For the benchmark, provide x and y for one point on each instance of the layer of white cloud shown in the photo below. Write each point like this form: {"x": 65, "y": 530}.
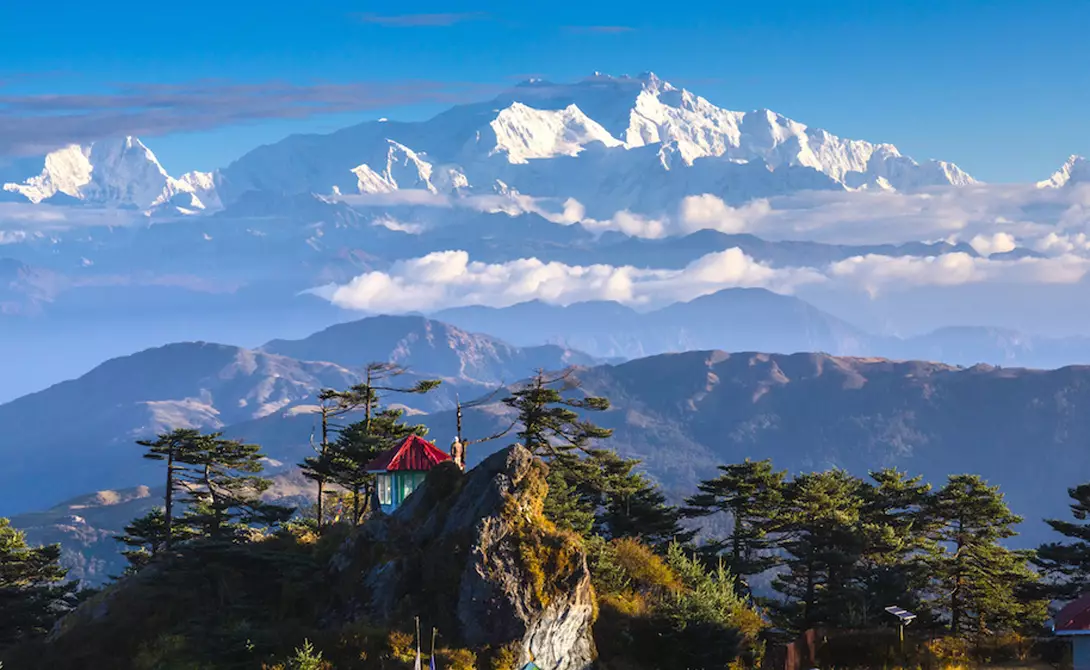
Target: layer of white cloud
{"x": 876, "y": 274}
{"x": 996, "y": 243}
{"x": 991, "y": 218}
{"x": 451, "y": 279}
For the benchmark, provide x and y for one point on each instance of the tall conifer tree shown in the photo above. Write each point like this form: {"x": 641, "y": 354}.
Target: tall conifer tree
{"x": 1067, "y": 564}
{"x": 750, "y": 494}
{"x": 33, "y": 594}
{"x": 983, "y": 586}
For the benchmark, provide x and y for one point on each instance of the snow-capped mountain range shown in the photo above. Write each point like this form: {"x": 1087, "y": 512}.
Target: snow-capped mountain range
{"x": 612, "y": 143}
{"x": 120, "y": 172}
{"x": 1075, "y": 171}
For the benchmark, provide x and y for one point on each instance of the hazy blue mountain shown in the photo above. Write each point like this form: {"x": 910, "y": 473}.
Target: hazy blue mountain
{"x": 754, "y": 320}
{"x": 426, "y": 345}
{"x": 210, "y": 386}
{"x": 733, "y": 319}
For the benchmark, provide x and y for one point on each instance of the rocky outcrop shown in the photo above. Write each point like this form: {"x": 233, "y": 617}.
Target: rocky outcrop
{"x": 473, "y": 556}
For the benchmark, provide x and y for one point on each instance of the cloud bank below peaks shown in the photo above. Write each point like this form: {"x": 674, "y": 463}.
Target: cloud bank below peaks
{"x": 451, "y": 279}
{"x": 991, "y": 218}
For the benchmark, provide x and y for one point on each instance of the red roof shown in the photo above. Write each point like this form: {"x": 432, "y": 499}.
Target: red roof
{"x": 413, "y": 454}
{"x": 1075, "y": 616}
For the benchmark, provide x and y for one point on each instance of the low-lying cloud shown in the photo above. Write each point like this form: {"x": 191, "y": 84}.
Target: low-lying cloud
{"x": 876, "y": 274}
{"x": 451, "y": 279}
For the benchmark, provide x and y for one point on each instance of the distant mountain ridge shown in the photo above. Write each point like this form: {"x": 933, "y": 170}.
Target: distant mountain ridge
{"x": 754, "y": 319}
{"x": 426, "y": 345}
{"x": 1076, "y": 170}
{"x": 611, "y": 142}
{"x": 686, "y": 413}
{"x": 116, "y": 172}
{"x": 213, "y": 386}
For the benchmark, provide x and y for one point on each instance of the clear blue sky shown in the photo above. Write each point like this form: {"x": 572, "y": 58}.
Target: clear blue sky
{"x": 1001, "y": 88}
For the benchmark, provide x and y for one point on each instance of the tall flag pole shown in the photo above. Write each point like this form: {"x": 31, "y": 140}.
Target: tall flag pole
{"x": 417, "y": 666}
{"x": 433, "y": 632}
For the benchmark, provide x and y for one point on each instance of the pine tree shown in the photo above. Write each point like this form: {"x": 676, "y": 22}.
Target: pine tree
{"x": 146, "y": 536}
{"x": 550, "y": 423}
{"x": 550, "y": 427}
{"x": 223, "y": 489}
{"x": 750, "y": 493}
{"x": 820, "y": 523}
{"x": 33, "y": 594}
{"x": 896, "y": 526}
{"x": 1067, "y": 564}
{"x": 982, "y": 585}
{"x": 169, "y": 447}
{"x": 629, "y": 504}
{"x": 359, "y": 444}
{"x": 333, "y": 404}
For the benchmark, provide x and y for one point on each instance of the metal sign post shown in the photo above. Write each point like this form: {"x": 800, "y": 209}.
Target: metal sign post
{"x": 904, "y": 617}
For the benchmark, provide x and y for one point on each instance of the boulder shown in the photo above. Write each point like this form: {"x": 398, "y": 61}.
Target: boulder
{"x": 473, "y": 555}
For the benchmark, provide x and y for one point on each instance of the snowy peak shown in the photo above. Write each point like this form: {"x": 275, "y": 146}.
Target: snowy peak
{"x": 523, "y": 133}
{"x": 402, "y": 168}
{"x": 700, "y": 129}
{"x": 120, "y": 172}
{"x": 604, "y": 141}
{"x": 66, "y": 171}
{"x": 1075, "y": 171}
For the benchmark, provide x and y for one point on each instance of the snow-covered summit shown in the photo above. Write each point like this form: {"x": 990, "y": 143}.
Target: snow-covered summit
{"x": 523, "y": 133}
{"x": 1075, "y": 171}
{"x": 120, "y": 172}
{"x": 533, "y": 136}
{"x": 611, "y": 142}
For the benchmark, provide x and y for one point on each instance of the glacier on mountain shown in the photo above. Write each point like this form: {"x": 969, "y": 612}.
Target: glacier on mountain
{"x": 119, "y": 172}
{"x": 1075, "y": 171}
{"x": 615, "y": 144}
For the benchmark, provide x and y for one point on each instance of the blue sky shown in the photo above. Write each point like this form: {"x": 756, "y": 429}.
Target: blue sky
{"x": 1001, "y": 88}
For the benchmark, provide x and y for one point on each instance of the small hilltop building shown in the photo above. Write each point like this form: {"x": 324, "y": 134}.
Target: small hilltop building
{"x": 400, "y": 470}
{"x": 1074, "y": 620}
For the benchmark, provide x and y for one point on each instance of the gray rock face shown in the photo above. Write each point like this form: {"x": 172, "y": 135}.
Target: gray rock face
{"x": 472, "y": 555}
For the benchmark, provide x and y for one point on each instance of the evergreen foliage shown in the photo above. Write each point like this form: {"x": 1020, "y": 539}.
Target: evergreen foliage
{"x": 33, "y": 593}
{"x": 342, "y": 461}
{"x": 1067, "y": 564}
{"x": 359, "y": 444}
{"x": 819, "y": 527}
{"x": 226, "y": 582}
{"x": 549, "y": 420}
{"x": 983, "y": 587}
{"x": 750, "y": 494}
{"x": 222, "y": 488}
{"x": 167, "y": 447}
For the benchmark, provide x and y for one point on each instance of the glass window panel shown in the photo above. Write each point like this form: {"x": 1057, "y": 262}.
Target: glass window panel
{"x": 385, "y": 490}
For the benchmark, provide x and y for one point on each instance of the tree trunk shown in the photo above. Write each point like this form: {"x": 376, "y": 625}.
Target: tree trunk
{"x": 217, "y": 521}
{"x": 168, "y": 502}
{"x": 736, "y": 540}
{"x": 321, "y": 454}
{"x": 808, "y": 605}
{"x": 955, "y": 605}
